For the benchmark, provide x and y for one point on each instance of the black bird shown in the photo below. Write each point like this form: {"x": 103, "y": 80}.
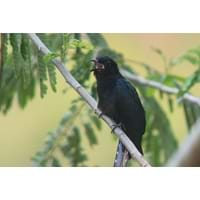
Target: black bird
{"x": 119, "y": 100}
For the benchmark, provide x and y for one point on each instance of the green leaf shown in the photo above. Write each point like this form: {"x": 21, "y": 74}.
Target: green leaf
{"x": 96, "y": 121}
{"x": 52, "y": 76}
{"x": 159, "y": 126}
{"x": 161, "y": 54}
{"x": 65, "y": 45}
{"x": 73, "y": 108}
{"x": 21, "y": 98}
{"x": 190, "y": 58}
{"x": 155, "y": 76}
{"x": 25, "y": 93}
{"x": 7, "y": 89}
{"x": 72, "y": 149}
{"x": 26, "y": 54}
{"x": 55, "y": 162}
{"x": 82, "y": 73}
{"x": 42, "y": 72}
{"x": 192, "y": 113}
{"x": 49, "y": 57}
{"x": 155, "y": 146}
{"x": 3, "y": 54}
{"x": 47, "y": 64}
{"x": 90, "y": 134}
{"x": 189, "y": 82}
{"x": 161, "y": 94}
{"x": 65, "y": 118}
{"x": 25, "y": 48}
{"x": 195, "y": 51}
{"x": 31, "y": 88}
{"x": 170, "y": 103}
{"x": 97, "y": 40}
{"x": 79, "y": 44}
{"x": 157, "y": 50}
{"x": 15, "y": 41}
{"x": 4, "y": 47}
{"x": 170, "y": 79}
{"x": 150, "y": 91}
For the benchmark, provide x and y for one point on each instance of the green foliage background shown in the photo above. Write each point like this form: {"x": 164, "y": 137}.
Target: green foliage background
{"x": 24, "y": 69}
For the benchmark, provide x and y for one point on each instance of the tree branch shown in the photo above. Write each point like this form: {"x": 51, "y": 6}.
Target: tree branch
{"x": 135, "y": 154}
{"x": 189, "y": 153}
{"x": 170, "y": 90}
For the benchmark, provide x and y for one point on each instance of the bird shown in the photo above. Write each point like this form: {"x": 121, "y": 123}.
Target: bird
{"x": 119, "y": 100}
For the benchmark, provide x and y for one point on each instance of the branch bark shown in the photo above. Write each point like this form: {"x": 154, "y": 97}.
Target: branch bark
{"x": 170, "y": 90}
{"x": 189, "y": 153}
{"x": 135, "y": 154}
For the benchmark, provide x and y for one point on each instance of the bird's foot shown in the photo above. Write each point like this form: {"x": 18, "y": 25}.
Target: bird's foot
{"x": 115, "y": 126}
{"x": 98, "y": 112}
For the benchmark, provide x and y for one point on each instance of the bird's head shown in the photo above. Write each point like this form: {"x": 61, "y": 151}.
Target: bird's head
{"x": 104, "y": 67}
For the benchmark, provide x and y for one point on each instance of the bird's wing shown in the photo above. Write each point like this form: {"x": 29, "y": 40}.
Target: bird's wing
{"x": 129, "y": 109}
{"x": 127, "y": 97}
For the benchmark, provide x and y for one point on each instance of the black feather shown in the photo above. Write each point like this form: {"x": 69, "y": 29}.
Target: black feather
{"x": 119, "y": 100}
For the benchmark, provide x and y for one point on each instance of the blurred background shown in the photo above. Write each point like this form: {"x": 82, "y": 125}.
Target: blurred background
{"x": 23, "y": 131}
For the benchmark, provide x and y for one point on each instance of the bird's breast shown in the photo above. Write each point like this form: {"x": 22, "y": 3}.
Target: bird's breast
{"x": 106, "y": 99}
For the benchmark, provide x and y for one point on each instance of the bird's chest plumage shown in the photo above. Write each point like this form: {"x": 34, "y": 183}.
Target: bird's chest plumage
{"x": 106, "y": 93}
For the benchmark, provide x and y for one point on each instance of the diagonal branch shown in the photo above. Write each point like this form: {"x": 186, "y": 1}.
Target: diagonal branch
{"x": 135, "y": 154}
{"x": 170, "y": 90}
{"x": 188, "y": 154}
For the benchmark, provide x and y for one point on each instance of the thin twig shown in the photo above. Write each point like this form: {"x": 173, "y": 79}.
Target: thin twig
{"x": 169, "y": 90}
{"x": 189, "y": 153}
{"x": 135, "y": 154}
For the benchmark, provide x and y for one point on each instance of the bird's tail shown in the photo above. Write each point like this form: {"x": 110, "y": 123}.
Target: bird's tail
{"x": 122, "y": 156}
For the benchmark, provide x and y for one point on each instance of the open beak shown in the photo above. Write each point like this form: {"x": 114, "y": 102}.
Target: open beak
{"x": 97, "y": 66}
{"x": 95, "y": 62}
